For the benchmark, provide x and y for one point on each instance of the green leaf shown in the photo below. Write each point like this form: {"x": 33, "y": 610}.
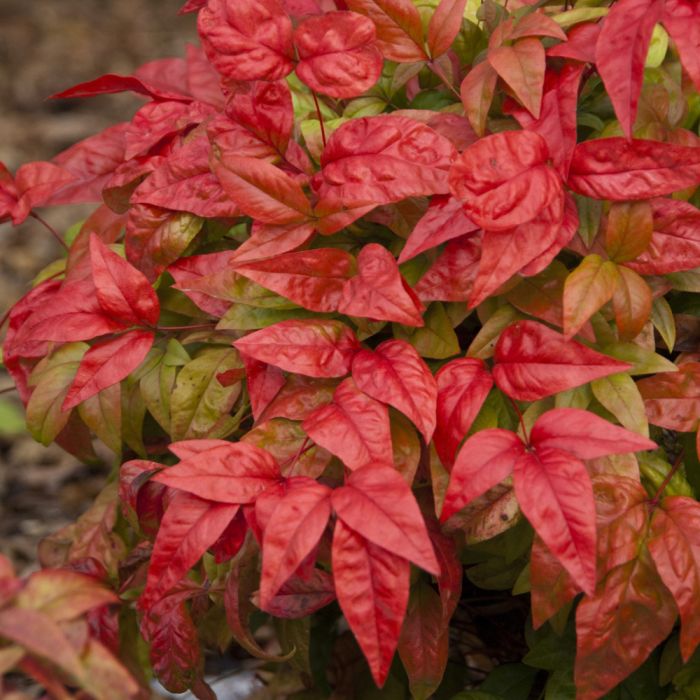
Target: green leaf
{"x": 11, "y": 418}
{"x": 485, "y": 341}
{"x": 644, "y": 361}
{"x": 619, "y": 394}
{"x": 102, "y": 413}
{"x": 156, "y": 386}
{"x": 436, "y": 340}
{"x": 243, "y": 317}
{"x": 512, "y": 681}
{"x": 200, "y": 405}
{"x": 664, "y": 321}
{"x": 51, "y": 380}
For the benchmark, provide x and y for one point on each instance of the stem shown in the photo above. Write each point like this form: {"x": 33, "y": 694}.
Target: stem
{"x": 293, "y": 459}
{"x": 50, "y": 229}
{"x": 8, "y": 389}
{"x": 520, "y": 418}
{"x": 667, "y": 480}
{"x": 195, "y": 327}
{"x": 53, "y": 687}
{"x": 320, "y": 118}
{"x": 440, "y": 74}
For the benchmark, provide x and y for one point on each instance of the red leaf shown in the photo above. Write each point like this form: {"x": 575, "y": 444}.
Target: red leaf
{"x": 372, "y": 588}
{"x": 396, "y": 374}
{"x": 444, "y": 26}
{"x": 675, "y": 240}
{"x": 123, "y": 292}
{"x": 337, "y": 54}
{"x": 672, "y": 399}
{"x": 533, "y": 361}
{"x": 263, "y": 382}
{"x": 192, "y": 6}
{"x": 354, "y": 427}
{"x": 235, "y": 473}
{"x": 268, "y": 241}
{"x": 682, "y": 20}
{"x": 265, "y": 112}
{"x": 674, "y": 544}
{"x": 551, "y": 585}
{"x": 107, "y": 363}
{"x": 262, "y": 190}
{"x": 503, "y": 180}
{"x": 556, "y": 496}
{"x": 378, "y": 291}
{"x": 399, "y": 28}
{"x": 486, "y": 459}
{"x": 477, "y": 91}
{"x": 585, "y": 435}
{"x": 296, "y": 526}
{"x": 377, "y": 503}
{"x": 184, "y": 182}
{"x": 424, "y": 641}
{"x": 247, "y": 39}
{"x": 189, "y": 527}
{"x": 557, "y": 120}
{"x": 580, "y": 44}
{"x": 378, "y": 160}
{"x": 609, "y": 648}
{"x": 622, "y": 170}
{"x": 310, "y": 347}
{"x": 301, "y": 597}
{"x": 522, "y": 65}
{"x": 451, "y": 277}
{"x": 175, "y": 651}
{"x": 444, "y": 220}
{"x": 527, "y": 246}
{"x": 621, "y": 51}
{"x": 110, "y": 84}
{"x": 463, "y": 386}
{"x": 313, "y": 279}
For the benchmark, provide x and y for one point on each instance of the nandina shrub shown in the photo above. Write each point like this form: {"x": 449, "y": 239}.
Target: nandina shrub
{"x": 387, "y": 311}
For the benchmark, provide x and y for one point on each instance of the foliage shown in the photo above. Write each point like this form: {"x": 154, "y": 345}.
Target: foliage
{"x": 379, "y": 295}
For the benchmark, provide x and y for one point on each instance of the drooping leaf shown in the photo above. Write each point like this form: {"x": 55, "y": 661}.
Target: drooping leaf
{"x": 608, "y": 648}
{"x": 675, "y": 550}
{"x": 672, "y": 399}
{"x": 378, "y": 504}
{"x": 291, "y": 534}
{"x": 463, "y": 386}
{"x": 555, "y": 493}
{"x": 522, "y": 65}
{"x": 533, "y": 361}
{"x": 189, "y": 527}
{"x": 354, "y": 427}
{"x": 123, "y": 292}
{"x": 372, "y": 588}
{"x": 486, "y": 459}
{"x": 396, "y": 375}
{"x": 621, "y": 51}
{"x": 424, "y": 641}
{"x": 589, "y": 287}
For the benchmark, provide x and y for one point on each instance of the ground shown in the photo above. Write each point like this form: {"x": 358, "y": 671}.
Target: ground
{"x": 47, "y": 46}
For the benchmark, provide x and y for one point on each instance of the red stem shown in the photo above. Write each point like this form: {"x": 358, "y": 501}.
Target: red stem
{"x": 667, "y": 480}
{"x": 320, "y": 118}
{"x": 520, "y": 418}
{"x": 195, "y": 327}
{"x": 50, "y": 229}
